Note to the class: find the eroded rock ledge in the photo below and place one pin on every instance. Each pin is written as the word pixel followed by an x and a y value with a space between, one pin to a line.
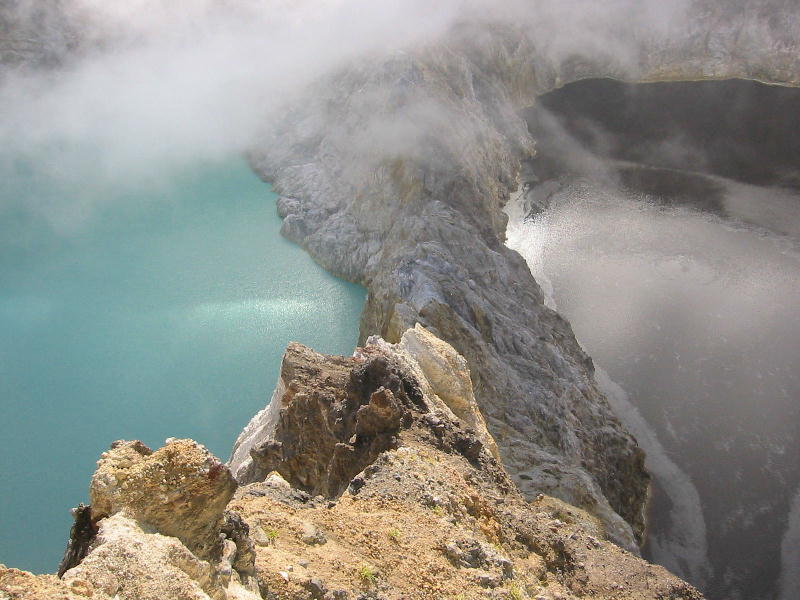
pixel 157 528
pixel 368 477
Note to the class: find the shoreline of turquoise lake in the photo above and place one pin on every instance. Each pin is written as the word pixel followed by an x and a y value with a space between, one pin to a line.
pixel 161 310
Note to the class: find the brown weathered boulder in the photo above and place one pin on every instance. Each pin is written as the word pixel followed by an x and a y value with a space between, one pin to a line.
pixel 332 416
pixel 180 490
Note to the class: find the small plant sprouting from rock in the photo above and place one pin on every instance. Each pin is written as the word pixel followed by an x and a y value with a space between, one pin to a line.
pixel 431 460
pixel 272 534
pixel 438 511
pixel 368 574
pixel 394 534
pixel 515 592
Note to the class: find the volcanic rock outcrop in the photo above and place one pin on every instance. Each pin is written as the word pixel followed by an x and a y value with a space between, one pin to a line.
pixel 157 528
pixel 385 483
pixel 358 412
pixel 394 172
pixel 368 477
pixel 180 490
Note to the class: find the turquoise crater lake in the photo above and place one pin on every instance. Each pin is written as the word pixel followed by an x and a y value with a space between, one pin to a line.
pixel 140 311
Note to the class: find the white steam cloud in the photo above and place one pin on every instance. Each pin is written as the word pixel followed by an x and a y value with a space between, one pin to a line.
pixel 157 82
pixel 174 82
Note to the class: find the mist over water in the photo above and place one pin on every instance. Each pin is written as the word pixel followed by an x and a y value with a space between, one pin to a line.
pixel 689 305
pixel 697 320
pixel 153 84
pixel 161 312
pixel 137 266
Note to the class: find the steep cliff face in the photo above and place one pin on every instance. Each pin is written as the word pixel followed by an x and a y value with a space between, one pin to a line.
pixel 394 175
pixel 412 503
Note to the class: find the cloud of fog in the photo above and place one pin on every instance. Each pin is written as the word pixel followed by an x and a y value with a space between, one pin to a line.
pixel 150 86
pixel 696 318
pixel 554 138
pixel 684 549
pixel 612 31
pixel 790 554
pixel 583 145
pixel 532 238
pixel 161 81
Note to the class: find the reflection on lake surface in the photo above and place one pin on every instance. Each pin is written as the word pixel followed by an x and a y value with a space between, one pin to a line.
pixel 692 319
pixel 140 312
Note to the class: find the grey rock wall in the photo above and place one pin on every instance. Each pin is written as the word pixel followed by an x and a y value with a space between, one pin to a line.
pixel 394 173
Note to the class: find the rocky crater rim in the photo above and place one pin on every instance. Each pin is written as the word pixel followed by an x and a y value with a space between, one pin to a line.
pixel 375 479
pixel 421 224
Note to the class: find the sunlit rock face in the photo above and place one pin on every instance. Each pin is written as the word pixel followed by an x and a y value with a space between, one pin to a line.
pixel 133 479
pixel 158 530
pixel 683 285
pixel 418 505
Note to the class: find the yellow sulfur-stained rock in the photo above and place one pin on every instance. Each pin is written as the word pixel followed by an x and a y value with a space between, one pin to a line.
pixel 180 490
pixel 448 375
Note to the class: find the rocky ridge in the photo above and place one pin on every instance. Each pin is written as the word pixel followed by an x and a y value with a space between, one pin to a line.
pixel 394 173
pixel 376 478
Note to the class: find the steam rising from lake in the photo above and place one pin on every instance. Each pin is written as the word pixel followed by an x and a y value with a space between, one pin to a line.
pixel 148 85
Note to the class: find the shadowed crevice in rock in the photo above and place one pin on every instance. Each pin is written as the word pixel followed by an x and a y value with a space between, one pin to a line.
pixel 81 536
pixel 237 530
